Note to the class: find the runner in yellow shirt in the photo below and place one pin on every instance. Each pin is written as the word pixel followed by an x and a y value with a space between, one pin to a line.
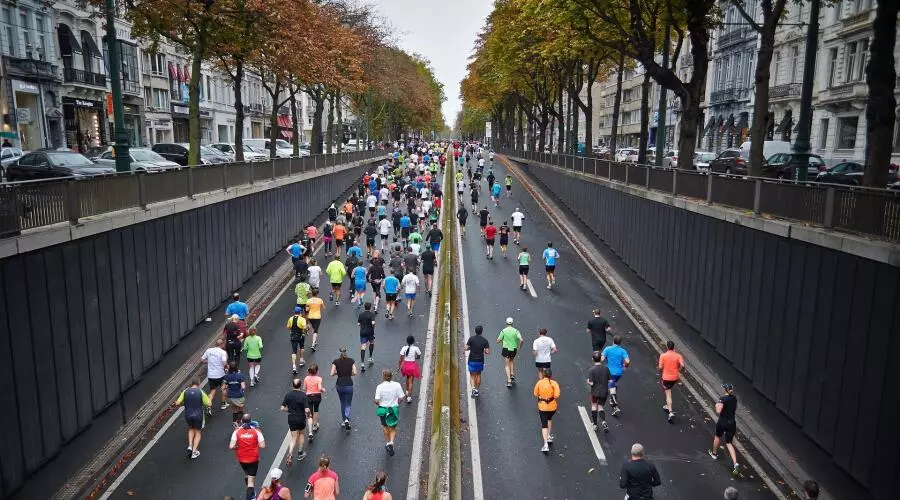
pixel 314 308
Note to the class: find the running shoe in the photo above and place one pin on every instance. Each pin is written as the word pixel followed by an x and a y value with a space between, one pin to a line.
pixel 509 384
pixel 316 427
pixel 315 347
pixel 513 378
pixel 616 411
pixel 671 417
pixel 347 424
pixel 301 455
pixel 362 367
pixel 190 451
pixel 371 361
pixel 408 399
pixel 390 449
pixel 209 411
pixel 338 303
pixel 224 406
pixel 595 426
pixel 605 427
pixel 474 392
pixel 301 363
pixel 550 438
pixel 295 370
pixel 195 454
pixel 311 436
pixel 735 471
pixel 545 448
pixel 712 454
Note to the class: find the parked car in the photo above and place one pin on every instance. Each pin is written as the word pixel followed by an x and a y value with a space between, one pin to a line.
pixel 627 155
pixel 283 149
pixel 729 161
pixel 670 159
pixel 702 159
pixel 848 172
pixel 94 152
pixel 48 164
pixel 250 153
pixel 769 148
pixel 142 160
pixel 178 153
pixel 779 166
pixel 7 156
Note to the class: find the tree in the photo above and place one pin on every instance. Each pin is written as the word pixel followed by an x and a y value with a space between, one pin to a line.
pixel 881 76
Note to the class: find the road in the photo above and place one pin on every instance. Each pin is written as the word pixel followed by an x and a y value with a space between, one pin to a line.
pixel 166 472
pixel 508 428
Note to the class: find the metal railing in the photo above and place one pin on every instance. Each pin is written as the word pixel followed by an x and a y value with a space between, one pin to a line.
pixel 786 90
pixel 86 77
pixel 31 204
pixel 874 212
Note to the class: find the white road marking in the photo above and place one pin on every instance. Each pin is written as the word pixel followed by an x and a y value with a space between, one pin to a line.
pixel 477 484
pixel 592 435
pixel 531 289
pixel 282 451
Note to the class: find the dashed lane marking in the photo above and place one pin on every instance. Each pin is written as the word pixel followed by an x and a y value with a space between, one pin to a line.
pixel 592 435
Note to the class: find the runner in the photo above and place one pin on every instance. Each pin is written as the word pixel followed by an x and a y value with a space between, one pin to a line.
pixel 408 365
pixel 253 346
pixel 296 251
pixel 312 384
pixel 542 348
pixel 550 255
pixel 375 276
pixel 302 290
pixel 504 239
pixel 546 390
pixel 336 272
pixel 312 232
pixel 638 476
pixel 246 441
pixel 405 224
pixel 216 360
pixel 617 360
pixel 726 426
pixel 598 327
pixel 237 308
pixel 314 308
pixel 195 402
pixel 297 327
pixel 474 196
pixel 495 193
pixel 477 347
pixel 385 226
pixel 377 490
pixel 387 398
pixel 670 365
pixel 328 236
pixel 332 213
pixel 462 215
pixel 359 285
pixel 323 484
pixel 490 178
pixel 410 286
pixel 483 216
pixel 489 232
pixel 276 490
pixel 235 387
pixel 508 186
pixel 371 233
pixel 344 369
pixel 391 289
pixel 340 232
pixel 435 237
pixel 428 259
pixel 517 218
pixel 366 322
pixel 599 380
pixel 524 259
pixel 296 405
pixel 510 341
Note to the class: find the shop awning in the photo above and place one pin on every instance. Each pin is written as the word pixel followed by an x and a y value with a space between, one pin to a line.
pixel 54 113
pixel 284 121
pixel 743 121
pixel 709 125
pixel 90 45
pixel 68 42
pixel 785 123
pixel 729 125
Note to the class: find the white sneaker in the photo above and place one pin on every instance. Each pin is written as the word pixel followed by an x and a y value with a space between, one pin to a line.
pixel 550 438
pixel 545 448
pixel 195 454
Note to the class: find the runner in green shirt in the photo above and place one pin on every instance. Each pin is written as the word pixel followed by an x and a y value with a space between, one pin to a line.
pixel 253 346
pixel 508 186
pixel 415 237
pixel 302 290
pixel 510 341
pixel 336 272
pixel 524 259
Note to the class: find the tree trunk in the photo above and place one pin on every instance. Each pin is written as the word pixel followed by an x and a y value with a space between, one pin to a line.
pixel 329 137
pixel 617 106
pixel 315 142
pixel 881 108
pixel 645 120
pixel 589 121
pixel 542 130
pixel 561 124
pixel 761 98
pixel 695 87
pixel 194 100
pixel 295 120
pixel 273 118
pixel 238 111
pixel 339 121
pixel 520 137
pixel 568 111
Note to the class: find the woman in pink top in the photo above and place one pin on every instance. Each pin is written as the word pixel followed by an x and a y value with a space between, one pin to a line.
pixel 311 233
pixel 377 490
pixel 323 483
pixel 314 390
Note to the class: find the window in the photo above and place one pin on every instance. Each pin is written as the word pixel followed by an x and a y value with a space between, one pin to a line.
pixel 863 59
pixel 160 98
pixel 795 64
pixel 158 64
pixel 208 89
pixel 832 66
pixel 823 133
pixel 148 94
pixel 776 72
pixel 26 34
pixel 129 55
pixel 847 132
pixel 751 77
pixel 849 61
pixel 40 48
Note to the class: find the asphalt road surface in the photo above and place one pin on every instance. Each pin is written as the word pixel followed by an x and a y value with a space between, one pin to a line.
pixel 512 465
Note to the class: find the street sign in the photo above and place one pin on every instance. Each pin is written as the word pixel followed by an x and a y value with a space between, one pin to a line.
pixel 487 130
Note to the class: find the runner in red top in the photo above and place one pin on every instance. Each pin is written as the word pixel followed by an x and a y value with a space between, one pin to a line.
pixel 670 365
pixel 246 441
pixel 490 232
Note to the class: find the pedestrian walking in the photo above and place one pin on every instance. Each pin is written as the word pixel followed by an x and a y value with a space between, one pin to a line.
pixel 638 476
pixel 297 407
pixel 726 426
pixel 195 402
pixel 297 327
pixel 377 490
pixel 314 388
pixel 246 441
pixel 598 327
pixel 387 398
pixel 671 364
pixel 366 323
pixel 408 365
pixel 216 360
pixel 598 381
pixel 253 346
pixel 510 341
pixel 235 388
pixel 542 348
pixel 276 490
pixel 617 360
pixel 344 369
pixel 478 347
pixel 547 392
pixel 323 484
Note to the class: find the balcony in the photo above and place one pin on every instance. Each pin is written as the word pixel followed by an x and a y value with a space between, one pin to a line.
pixel 786 91
pixel 31 68
pixel 131 87
pixel 732 37
pixel 72 75
pixel 727 95
pixel 844 97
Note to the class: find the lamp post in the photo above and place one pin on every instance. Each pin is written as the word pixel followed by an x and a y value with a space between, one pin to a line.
pixel 801 143
pixel 121 146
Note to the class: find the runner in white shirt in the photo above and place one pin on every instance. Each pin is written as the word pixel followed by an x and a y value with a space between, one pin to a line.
pixel 410 284
pixel 542 348
pixel 408 365
pixel 384 229
pixel 517 218
pixel 384 194
pixel 460 187
pixel 315 274
pixel 481 162
pixel 387 397
pixel 216 360
pixel 371 201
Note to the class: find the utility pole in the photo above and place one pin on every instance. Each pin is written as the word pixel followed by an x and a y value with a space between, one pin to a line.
pixel 120 146
pixel 661 111
pixel 801 143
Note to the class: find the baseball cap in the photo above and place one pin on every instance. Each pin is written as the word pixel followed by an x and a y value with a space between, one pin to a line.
pixel 728 387
pixel 509 321
pixel 275 474
pixel 298 309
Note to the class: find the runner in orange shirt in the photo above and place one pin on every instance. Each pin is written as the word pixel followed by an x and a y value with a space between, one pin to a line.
pixel 340 232
pixel 670 365
pixel 547 391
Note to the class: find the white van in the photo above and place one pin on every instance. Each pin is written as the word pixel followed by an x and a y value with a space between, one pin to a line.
pixel 283 149
pixel 769 148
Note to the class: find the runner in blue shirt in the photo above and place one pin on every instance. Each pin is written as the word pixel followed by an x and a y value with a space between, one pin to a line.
pixel 405 222
pixel 359 284
pixel 495 193
pixel 237 307
pixel 382 212
pixel 295 250
pixel 391 289
pixel 616 360
pixel 550 256
pixel 356 251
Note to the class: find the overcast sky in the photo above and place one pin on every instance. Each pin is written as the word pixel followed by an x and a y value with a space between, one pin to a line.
pixel 443 32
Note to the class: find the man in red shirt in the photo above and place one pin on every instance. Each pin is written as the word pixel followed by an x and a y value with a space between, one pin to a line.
pixel 490 232
pixel 670 365
pixel 246 441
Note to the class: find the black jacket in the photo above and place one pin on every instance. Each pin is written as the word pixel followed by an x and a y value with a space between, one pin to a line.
pixel 638 477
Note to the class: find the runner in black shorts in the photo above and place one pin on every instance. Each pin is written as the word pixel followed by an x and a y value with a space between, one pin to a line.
pixel 483 216
pixel 726 426
pixel 296 405
pixel 504 239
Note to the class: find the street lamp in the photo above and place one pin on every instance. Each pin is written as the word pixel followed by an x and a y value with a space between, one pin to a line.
pixel 800 159
pixel 120 146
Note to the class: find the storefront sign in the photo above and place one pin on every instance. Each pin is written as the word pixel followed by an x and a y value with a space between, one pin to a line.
pixel 81 103
pixel 20 86
pixel 162 124
pixel 180 109
pixel 205 113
